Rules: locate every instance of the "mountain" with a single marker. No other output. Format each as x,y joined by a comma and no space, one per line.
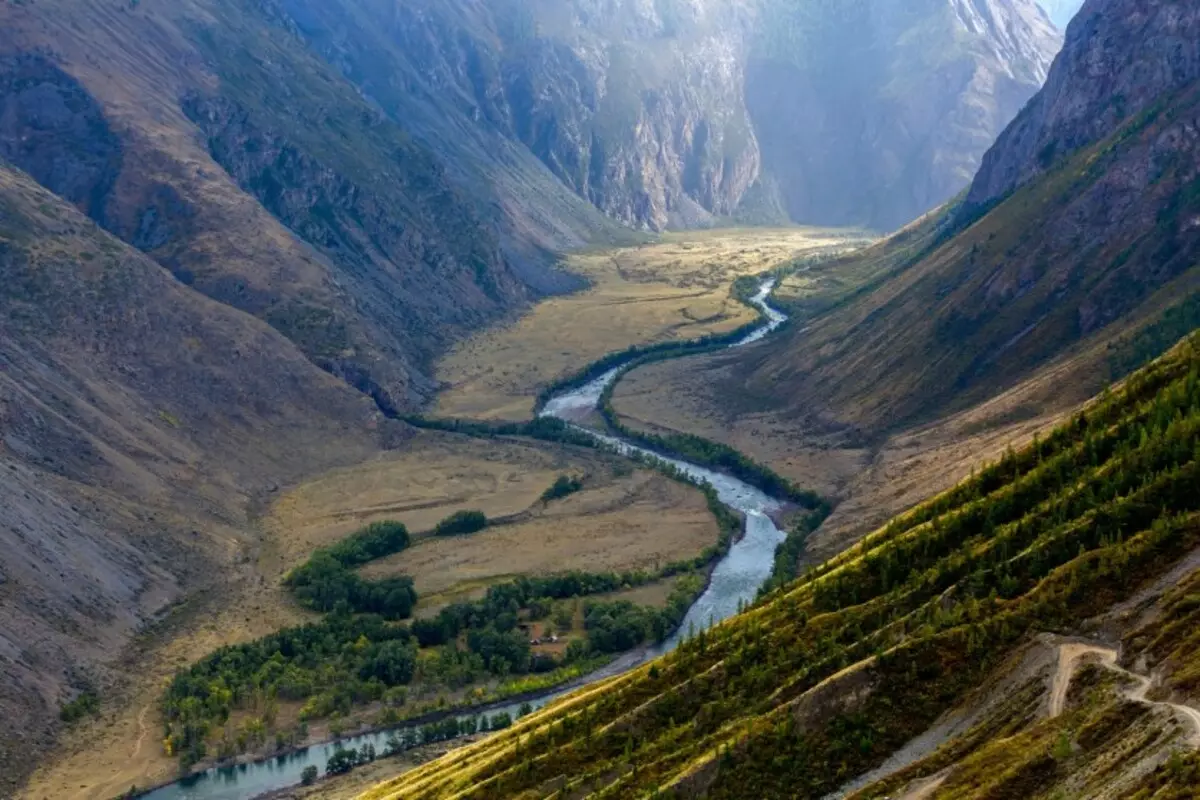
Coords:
874,113
1061,11
1079,236
216,142
342,170
1029,634
139,422
682,112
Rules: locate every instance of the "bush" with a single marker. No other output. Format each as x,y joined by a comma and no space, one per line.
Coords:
462,523
377,540
309,776
341,762
85,705
564,485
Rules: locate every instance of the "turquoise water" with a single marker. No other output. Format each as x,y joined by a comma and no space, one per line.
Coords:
735,581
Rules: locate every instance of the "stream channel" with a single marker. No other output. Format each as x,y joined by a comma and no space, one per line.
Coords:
735,581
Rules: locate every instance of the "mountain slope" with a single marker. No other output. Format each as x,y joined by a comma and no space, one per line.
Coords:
139,420
1059,251
877,112
674,113
829,677
215,141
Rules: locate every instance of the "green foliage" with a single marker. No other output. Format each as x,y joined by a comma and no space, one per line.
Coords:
377,540
327,582
563,486
461,523
546,429
614,627
85,704
334,664
309,776
923,610
1152,341
787,557
324,584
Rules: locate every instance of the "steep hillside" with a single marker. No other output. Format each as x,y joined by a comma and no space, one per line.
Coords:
851,671
138,423
1061,11
1062,251
216,142
874,113
673,113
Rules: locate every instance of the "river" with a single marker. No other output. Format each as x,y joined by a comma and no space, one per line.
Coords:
735,581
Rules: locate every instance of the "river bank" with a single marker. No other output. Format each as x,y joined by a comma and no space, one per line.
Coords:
732,584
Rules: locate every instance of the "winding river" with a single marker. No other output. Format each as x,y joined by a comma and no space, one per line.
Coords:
735,581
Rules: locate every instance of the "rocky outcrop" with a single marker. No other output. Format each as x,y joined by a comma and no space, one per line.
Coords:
633,106
1121,58
1079,243
54,130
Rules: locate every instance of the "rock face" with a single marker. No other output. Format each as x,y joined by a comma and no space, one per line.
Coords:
1061,11
677,113
872,113
1120,58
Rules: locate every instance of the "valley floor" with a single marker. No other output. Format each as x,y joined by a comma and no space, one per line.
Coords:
623,518
675,289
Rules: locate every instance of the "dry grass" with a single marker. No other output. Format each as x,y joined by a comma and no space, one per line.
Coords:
636,522
435,475
654,594
678,288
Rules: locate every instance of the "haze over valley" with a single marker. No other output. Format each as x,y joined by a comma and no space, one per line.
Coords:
599,398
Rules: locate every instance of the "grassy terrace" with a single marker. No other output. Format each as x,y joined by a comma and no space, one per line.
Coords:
826,677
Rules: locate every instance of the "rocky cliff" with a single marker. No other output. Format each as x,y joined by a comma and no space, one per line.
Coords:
1121,60
681,112
874,113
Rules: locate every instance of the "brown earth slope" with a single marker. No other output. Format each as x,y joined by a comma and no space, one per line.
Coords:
139,423
212,139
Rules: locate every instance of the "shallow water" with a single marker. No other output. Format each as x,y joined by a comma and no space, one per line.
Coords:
735,582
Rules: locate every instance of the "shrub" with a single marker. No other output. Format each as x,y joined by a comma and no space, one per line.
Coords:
462,523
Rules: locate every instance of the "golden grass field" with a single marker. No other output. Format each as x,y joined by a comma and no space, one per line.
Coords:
677,288
616,524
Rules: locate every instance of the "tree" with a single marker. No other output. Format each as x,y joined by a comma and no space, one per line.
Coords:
460,523
341,762
309,776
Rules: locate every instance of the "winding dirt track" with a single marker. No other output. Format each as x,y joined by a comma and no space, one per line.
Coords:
1069,656
142,731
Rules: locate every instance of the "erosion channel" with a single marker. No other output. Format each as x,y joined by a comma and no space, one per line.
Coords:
735,581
